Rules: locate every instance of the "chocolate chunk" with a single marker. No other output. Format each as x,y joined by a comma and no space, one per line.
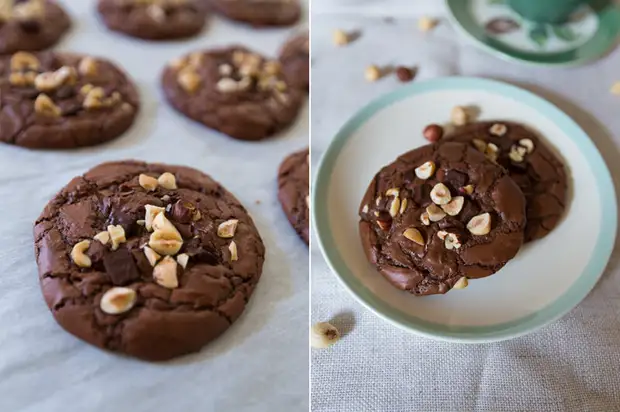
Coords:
197,252
454,179
182,212
70,109
65,92
470,209
142,262
184,229
422,194
120,266
30,26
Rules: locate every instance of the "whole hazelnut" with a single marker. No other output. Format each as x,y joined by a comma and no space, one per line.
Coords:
404,74
433,132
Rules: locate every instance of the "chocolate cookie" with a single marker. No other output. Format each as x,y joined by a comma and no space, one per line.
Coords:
439,215
31,25
150,260
537,171
154,19
295,58
260,12
294,191
233,90
56,101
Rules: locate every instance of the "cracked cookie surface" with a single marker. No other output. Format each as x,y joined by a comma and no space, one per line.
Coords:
423,256
154,19
294,191
173,312
260,12
295,58
31,25
59,100
539,173
233,90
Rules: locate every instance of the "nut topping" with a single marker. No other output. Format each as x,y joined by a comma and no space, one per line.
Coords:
365,209
188,79
403,206
468,190
480,225
378,200
498,129
50,81
117,300
44,106
426,170
462,283
440,194
87,66
151,214
78,256
435,213
151,255
432,132
227,229
455,206
156,13
182,260
21,61
452,241
147,182
459,116
323,335
165,243
117,235
426,24
442,234
167,181
528,144
165,273
480,145
233,251
393,192
102,237
514,155
425,219
414,235
395,207
162,224
22,79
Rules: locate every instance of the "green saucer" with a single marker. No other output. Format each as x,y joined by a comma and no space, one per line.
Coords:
588,35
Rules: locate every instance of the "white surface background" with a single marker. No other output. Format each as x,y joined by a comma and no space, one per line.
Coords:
260,363
571,365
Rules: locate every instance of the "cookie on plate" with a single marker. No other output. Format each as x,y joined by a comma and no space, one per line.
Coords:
232,90
538,172
294,191
439,215
154,19
260,12
58,100
295,58
31,25
150,260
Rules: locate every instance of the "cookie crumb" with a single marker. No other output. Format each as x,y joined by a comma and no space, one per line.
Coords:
426,24
257,202
372,73
340,38
404,74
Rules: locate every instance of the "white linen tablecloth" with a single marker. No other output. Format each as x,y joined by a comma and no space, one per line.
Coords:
571,365
261,362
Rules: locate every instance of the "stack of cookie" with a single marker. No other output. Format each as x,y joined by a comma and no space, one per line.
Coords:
462,207
150,260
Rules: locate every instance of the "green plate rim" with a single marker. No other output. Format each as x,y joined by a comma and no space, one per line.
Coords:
468,334
602,42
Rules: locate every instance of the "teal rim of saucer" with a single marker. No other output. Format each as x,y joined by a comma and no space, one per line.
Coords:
603,41
463,333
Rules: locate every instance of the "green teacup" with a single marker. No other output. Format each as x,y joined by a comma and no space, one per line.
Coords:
546,11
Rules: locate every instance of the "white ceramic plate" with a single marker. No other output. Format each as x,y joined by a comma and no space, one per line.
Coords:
544,281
